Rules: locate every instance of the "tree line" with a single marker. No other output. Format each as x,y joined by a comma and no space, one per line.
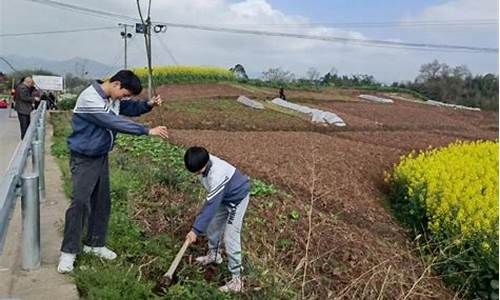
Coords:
436,81
456,85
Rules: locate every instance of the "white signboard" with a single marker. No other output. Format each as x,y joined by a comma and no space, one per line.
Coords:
50,83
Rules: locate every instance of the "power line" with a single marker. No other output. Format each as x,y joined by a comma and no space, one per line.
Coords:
364,42
115,62
8,64
80,9
55,31
367,42
427,23
165,47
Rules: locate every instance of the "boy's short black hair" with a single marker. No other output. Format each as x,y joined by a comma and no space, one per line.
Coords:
195,158
128,80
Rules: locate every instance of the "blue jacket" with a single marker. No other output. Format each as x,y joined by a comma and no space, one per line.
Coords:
225,185
96,121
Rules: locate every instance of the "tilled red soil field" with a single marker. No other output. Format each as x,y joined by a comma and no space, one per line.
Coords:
357,249
412,140
348,184
224,114
349,168
408,115
192,91
185,108
326,94
204,90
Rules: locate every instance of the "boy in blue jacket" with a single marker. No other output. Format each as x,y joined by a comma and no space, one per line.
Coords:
96,121
223,212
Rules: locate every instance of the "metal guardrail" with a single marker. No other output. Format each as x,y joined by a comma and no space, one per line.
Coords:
27,181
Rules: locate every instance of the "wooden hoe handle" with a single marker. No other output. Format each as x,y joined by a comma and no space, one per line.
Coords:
177,260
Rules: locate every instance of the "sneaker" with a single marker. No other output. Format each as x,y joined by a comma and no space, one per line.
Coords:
233,286
66,262
208,259
101,252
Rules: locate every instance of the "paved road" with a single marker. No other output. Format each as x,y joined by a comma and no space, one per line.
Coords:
45,283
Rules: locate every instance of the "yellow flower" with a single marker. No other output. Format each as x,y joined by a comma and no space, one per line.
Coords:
456,185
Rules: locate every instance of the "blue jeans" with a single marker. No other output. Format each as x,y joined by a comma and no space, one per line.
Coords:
228,222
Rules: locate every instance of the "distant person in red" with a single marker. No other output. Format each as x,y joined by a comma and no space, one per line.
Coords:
24,102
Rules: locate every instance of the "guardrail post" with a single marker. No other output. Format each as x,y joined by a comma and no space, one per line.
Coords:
38,166
32,188
31,222
40,133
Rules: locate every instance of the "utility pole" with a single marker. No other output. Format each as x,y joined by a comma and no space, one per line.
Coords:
160,28
150,67
145,28
125,35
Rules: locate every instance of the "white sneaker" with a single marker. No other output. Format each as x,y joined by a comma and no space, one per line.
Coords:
101,252
234,286
66,262
208,259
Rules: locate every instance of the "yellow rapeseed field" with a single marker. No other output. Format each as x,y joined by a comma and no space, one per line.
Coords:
457,186
451,195
180,74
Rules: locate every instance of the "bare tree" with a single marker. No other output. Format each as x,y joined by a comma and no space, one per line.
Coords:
313,75
461,72
278,74
431,71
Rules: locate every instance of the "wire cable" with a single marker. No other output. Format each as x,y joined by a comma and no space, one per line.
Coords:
165,47
55,31
364,42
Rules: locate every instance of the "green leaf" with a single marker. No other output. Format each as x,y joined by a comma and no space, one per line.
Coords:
295,215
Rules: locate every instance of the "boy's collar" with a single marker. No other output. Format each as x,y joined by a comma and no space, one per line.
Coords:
96,84
207,169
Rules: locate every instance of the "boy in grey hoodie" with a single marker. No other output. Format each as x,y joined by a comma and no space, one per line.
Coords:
223,212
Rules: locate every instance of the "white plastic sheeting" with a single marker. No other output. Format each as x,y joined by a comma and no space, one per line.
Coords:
317,115
249,102
437,103
375,99
456,106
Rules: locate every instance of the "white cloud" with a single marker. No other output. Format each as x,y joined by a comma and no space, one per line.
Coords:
256,53
460,10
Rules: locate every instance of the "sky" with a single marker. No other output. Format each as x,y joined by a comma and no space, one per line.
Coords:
258,53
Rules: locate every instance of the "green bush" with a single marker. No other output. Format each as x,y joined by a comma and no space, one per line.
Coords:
66,104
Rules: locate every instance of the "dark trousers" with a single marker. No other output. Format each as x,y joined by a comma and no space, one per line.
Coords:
90,203
24,123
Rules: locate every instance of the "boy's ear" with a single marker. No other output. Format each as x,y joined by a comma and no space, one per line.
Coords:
116,84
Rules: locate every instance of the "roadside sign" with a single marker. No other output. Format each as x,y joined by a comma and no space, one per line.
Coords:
50,83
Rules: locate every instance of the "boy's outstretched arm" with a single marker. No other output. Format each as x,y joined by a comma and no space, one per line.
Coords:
133,108
120,124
